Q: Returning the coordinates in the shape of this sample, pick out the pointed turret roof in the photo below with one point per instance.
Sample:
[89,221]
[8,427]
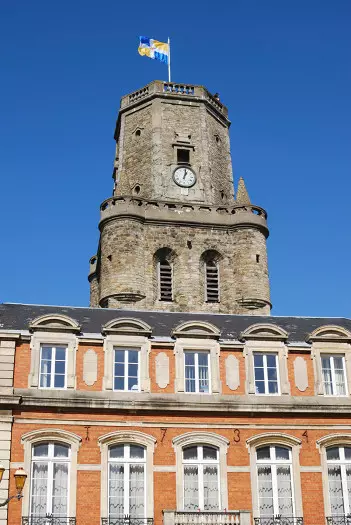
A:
[242,197]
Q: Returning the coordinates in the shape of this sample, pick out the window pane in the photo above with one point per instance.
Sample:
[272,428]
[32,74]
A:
[190,453]
[265,490]
[136,452]
[60,354]
[39,486]
[117,451]
[259,374]
[59,381]
[133,370]
[347,453]
[189,358]
[271,360]
[61,451]
[133,383]
[46,352]
[203,359]
[263,453]
[136,491]
[133,356]
[60,489]
[259,387]
[60,367]
[281,453]
[45,367]
[338,363]
[119,383]
[211,493]
[272,374]
[119,356]
[191,488]
[340,388]
[209,453]
[333,453]
[258,360]
[335,490]
[41,450]
[116,490]
[119,369]
[284,491]
[273,387]
[325,362]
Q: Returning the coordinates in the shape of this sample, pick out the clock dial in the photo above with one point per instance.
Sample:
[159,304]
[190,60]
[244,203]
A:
[184,177]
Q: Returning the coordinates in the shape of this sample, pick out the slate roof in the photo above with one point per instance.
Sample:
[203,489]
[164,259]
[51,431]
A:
[18,317]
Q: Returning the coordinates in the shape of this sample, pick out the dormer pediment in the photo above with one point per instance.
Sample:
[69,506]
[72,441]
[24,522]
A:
[127,326]
[330,333]
[54,323]
[196,329]
[264,331]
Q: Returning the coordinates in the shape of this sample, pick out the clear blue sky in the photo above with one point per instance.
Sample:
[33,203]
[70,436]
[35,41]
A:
[281,66]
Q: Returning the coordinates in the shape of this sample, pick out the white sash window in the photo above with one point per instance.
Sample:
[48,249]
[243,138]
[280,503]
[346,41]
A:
[274,476]
[201,478]
[266,373]
[339,479]
[49,479]
[53,366]
[127,470]
[197,376]
[126,369]
[333,373]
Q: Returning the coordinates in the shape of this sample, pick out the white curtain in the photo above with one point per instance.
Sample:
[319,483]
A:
[265,490]
[39,489]
[116,490]
[136,491]
[339,376]
[211,493]
[60,489]
[284,491]
[191,488]
[203,372]
[189,372]
[335,490]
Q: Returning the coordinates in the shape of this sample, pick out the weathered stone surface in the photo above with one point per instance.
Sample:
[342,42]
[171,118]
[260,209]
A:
[90,367]
[162,370]
[300,373]
[232,377]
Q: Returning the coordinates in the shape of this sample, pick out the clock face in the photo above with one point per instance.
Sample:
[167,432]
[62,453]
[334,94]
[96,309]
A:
[184,177]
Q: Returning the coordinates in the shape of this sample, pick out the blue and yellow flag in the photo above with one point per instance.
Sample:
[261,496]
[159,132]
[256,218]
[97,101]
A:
[154,49]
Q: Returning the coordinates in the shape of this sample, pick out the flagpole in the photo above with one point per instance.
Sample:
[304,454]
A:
[169,60]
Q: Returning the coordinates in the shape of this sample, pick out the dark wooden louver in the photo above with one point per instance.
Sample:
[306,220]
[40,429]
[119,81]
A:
[212,282]
[166,293]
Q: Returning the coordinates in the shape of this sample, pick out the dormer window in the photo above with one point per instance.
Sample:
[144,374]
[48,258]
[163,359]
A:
[52,366]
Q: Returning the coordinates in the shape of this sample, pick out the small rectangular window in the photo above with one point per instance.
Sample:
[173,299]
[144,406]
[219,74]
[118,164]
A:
[126,370]
[333,373]
[197,378]
[266,373]
[183,156]
[53,366]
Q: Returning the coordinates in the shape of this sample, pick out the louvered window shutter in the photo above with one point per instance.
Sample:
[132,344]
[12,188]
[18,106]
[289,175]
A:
[165,281]
[212,282]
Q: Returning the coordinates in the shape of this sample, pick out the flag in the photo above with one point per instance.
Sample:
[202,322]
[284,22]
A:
[154,49]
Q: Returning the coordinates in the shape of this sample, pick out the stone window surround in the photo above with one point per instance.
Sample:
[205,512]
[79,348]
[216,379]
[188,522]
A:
[280,439]
[207,345]
[70,341]
[329,348]
[52,435]
[331,440]
[122,437]
[137,342]
[201,438]
[277,347]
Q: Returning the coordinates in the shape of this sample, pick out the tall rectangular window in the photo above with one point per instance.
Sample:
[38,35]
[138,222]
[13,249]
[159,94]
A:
[126,369]
[333,373]
[266,373]
[53,366]
[197,378]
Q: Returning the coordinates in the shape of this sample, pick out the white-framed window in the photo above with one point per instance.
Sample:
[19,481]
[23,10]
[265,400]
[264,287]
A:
[197,372]
[266,373]
[126,481]
[333,374]
[339,479]
[201,478]
[53,366]
[211,282]
[275,484]
[49,483]
[126,369]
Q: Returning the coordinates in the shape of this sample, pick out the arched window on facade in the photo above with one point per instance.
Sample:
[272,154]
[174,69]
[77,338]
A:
[339,480]
[201,478]
[49,481]
[164,272]
[275,484]
[127,483]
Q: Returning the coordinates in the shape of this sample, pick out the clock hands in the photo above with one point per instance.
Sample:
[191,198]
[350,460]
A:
[185,173]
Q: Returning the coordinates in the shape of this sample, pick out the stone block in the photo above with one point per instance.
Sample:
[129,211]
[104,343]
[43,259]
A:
[162,370]
[90,367]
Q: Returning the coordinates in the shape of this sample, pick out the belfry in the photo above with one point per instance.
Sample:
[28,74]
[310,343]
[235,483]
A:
[174,236]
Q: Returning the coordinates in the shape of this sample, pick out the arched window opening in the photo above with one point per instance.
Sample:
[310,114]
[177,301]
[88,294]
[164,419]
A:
[50,480]
[165,280]
[126,486]
[339,481]
[275,484]
[201,478]
[212,281]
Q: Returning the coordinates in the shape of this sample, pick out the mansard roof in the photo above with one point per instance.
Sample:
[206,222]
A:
[91,320]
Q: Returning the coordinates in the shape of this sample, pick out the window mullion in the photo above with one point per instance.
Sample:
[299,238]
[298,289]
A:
[49,486]
[344,489]
[196,363]
[265,374]
[125,365]
[201,485]
[333,375]
[53,359]
[275,489]
[126,487]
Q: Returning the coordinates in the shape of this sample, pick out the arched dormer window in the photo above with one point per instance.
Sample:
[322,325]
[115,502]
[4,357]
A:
[164,272]
[210,264]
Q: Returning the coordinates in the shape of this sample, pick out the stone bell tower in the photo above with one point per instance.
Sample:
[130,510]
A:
[173,237]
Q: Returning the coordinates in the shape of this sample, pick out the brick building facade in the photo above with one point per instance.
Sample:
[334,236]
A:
[175,398]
